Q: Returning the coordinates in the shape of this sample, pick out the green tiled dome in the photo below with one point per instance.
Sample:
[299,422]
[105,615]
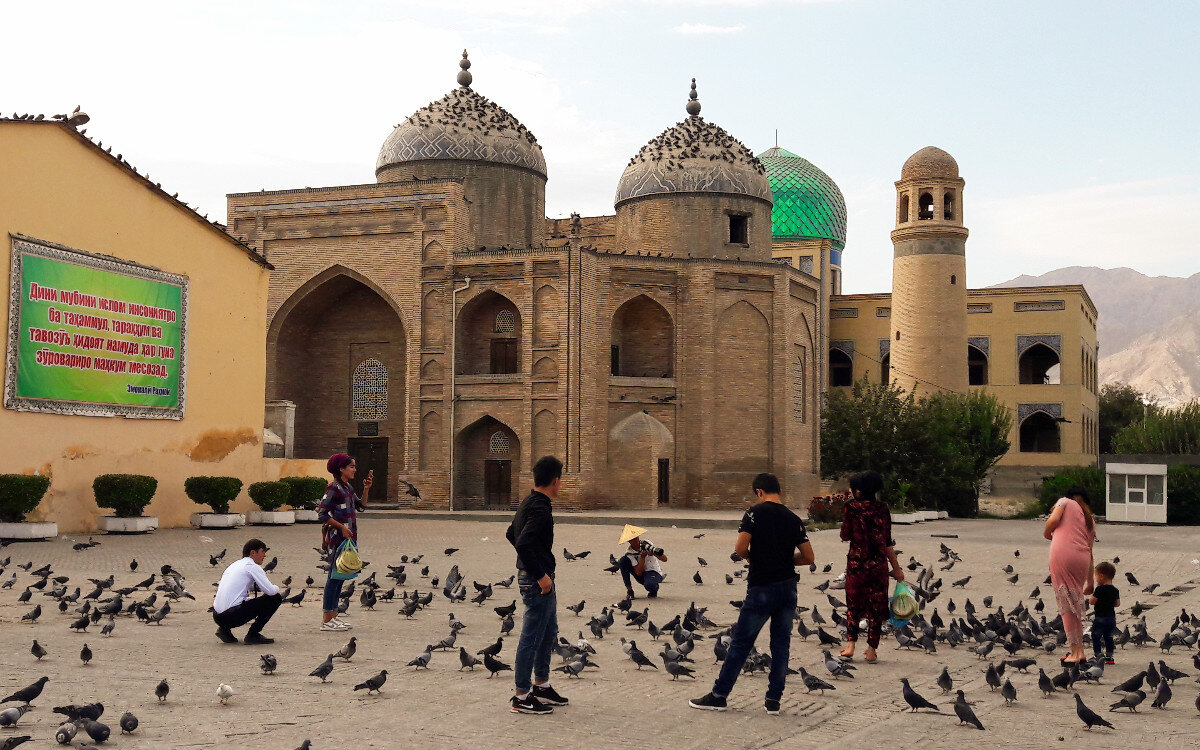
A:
[808,203]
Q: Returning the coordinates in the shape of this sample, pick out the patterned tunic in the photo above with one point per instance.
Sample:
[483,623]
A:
[867,525]
[341,504]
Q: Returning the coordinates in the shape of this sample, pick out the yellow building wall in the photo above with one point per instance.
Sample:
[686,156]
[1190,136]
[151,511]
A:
[56,187]
[864,319]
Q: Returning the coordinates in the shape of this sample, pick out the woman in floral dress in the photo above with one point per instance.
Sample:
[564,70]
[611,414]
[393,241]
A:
[867,525]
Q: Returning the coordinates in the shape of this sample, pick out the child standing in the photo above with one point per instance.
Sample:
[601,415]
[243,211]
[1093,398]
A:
[1105,599]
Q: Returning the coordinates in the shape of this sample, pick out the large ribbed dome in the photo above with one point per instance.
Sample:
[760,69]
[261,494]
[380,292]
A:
[808,203]
[462,125]
[694,156]
[930,162]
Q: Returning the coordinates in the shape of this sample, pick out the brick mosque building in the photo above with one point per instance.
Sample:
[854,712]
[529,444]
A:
[436,325]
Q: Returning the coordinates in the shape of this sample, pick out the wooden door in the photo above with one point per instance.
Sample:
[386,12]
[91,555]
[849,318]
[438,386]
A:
[664,481]
[497,483]
[370,454]
[504,356]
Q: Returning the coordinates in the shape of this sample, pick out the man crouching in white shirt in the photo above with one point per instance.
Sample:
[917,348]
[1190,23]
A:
[232,609]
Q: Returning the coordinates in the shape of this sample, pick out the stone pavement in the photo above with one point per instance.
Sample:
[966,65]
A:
[614,706]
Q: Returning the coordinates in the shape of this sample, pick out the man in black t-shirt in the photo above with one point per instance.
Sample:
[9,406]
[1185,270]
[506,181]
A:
[772,538]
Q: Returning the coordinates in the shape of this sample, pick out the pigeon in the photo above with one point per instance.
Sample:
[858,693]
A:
[33,614]
[85,654]
[1169,674]
[1008,692]
[913,699]
[508,609]
[422,661]
[10,716]
[945,682]
[506,625]
[1089,717]
[1132,580]
[38,651]
[964,713]
[812,683]
[577,608]
[450,551]
[373,684]
[467,660]
[1133,683]
[1045,684]
[348,650]
[1131,701]
[109,626]
[826,639]
[640,659]
[837,667]
[699,581]
[493,649]
[28,694]
[269,663]
[97,731]
[224,693]
[494,665]
[702,561]
[161,691]
[677,670]
[297,598]
[128,723]
[66,733]
[1162,695]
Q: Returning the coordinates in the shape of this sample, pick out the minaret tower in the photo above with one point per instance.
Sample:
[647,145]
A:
[929,270]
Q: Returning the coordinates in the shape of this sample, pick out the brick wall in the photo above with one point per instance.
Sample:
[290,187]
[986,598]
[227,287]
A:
[694,225]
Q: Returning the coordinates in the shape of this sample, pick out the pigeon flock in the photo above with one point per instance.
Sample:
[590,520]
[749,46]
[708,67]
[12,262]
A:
[982,647]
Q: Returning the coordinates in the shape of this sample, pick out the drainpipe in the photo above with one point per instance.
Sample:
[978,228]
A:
[454,371]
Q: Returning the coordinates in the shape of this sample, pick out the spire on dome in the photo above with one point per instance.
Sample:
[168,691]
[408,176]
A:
[693,105]
[464,75]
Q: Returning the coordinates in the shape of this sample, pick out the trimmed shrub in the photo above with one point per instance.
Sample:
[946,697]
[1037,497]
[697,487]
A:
[215,492]
[827,509]
[269,496]
[127,495]
[305,491]
[20,494]
[1183,494]
[1056,485]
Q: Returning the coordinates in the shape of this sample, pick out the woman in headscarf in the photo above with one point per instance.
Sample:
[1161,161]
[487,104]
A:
[338,513]
[1071,529]
[867,525]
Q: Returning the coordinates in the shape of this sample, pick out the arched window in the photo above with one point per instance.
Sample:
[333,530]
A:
[1039,365]
[506,321]
[925,206]
[902,214]
[643,340]
[953,279]
[977,366]
[841,368]
[948,205]
[498,444]
[369,388]
[488,339]
[885,368]
[1040,434]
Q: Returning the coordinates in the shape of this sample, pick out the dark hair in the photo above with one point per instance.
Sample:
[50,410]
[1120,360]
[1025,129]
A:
[251,546]
[768,483]
[868,483]
[1080,495]
[546,470]
[1106,569]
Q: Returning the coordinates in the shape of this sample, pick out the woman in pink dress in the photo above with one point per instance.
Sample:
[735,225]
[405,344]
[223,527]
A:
[1071,530]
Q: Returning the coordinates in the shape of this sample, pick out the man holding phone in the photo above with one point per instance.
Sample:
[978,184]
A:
[338,514]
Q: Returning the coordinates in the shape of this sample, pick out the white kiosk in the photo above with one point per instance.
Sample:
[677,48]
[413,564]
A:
[1136,493]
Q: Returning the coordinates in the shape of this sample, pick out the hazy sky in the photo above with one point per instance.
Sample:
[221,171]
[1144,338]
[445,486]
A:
[1074,123]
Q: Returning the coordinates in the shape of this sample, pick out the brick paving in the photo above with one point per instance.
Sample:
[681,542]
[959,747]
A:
[615,705]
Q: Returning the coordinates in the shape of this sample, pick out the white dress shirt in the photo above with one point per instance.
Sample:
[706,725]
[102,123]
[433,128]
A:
[235,584]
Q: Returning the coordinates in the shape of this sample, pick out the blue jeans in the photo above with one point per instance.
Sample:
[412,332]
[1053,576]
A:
[1102,634]
[649,578]
[539,633]
[775,602]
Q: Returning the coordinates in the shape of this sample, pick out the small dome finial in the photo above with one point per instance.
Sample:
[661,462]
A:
[464,75]
[693,105]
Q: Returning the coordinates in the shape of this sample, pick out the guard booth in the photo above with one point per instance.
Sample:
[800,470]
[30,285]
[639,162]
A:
[1136,493]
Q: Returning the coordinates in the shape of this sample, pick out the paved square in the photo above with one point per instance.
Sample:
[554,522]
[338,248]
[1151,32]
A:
[613,706]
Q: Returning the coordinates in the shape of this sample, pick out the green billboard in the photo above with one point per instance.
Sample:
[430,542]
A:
[93,335]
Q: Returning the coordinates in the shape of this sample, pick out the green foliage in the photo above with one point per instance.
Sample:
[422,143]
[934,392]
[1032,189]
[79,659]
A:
[828,509]
[1183,494]
[269,496]
[1120,406]
[126,494]
[1056,485]
[215,492]
[933,452]
[305,491]
[1164,431]
[20,494]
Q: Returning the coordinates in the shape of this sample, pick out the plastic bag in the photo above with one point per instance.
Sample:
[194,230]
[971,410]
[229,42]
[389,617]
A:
[348,563]
[903,605]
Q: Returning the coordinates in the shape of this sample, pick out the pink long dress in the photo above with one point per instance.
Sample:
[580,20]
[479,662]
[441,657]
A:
[1070,559]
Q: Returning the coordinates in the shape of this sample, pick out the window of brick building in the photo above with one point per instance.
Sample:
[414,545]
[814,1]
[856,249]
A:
[498,444]
[1039,365]
[739,229]
[1040,434]
[505,321]
[977,366]
[925,206]
[902,215]
[806,263]
[948,205]
[841,368]
[369,392]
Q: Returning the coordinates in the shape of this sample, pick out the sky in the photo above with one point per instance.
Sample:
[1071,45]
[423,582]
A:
[1074,123]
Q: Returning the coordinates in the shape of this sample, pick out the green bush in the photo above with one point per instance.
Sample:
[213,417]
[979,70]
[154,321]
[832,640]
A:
[305,491]
[1056,485]
[1163,431]
[828,509]
[126,494]
[1183,494]
[215,492]
[20,494]
[269,496]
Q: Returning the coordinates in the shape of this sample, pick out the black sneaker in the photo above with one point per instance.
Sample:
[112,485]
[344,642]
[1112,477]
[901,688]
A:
[529,705]
[771,706]
[226,635]
[257,639]
[652,594]
[1109,660]
[547,694]
[709,702]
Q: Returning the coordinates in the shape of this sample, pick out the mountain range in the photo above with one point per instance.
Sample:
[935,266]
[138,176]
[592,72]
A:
[1148,327]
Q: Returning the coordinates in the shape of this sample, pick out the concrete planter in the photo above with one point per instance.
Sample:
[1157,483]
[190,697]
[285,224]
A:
[943,515]
[928,515]
[29,530]
[218,520]
[136,525]
[272,517]
[906,518]
[306,516]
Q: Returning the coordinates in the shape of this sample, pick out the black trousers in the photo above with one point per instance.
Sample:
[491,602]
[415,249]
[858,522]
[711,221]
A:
[259,609]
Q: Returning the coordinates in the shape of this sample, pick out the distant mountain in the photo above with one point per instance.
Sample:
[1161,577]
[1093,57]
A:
[1149,327]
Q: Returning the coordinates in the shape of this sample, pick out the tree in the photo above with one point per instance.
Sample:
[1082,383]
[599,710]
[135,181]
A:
[1163,431]
[1120,406]
[965,436]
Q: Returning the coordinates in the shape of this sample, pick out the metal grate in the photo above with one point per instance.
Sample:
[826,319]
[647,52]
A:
[506,322]
[498,445]
[369,387]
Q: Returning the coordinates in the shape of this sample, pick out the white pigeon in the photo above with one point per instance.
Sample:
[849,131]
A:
[224,693]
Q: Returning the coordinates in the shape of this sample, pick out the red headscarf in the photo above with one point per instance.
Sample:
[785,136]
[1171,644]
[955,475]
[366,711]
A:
[337,462]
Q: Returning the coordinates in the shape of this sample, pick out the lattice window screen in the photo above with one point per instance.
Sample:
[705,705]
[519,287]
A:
[506,322]
[498,444]
[370,392]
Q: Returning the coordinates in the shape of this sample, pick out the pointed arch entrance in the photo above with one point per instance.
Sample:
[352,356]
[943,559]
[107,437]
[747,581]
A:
[487,457]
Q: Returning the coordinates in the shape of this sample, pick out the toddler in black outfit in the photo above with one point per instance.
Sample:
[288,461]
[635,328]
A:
[1105,599]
